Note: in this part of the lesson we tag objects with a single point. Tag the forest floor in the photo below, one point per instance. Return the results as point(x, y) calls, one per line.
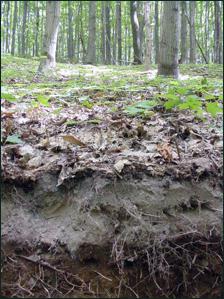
point(112, 181)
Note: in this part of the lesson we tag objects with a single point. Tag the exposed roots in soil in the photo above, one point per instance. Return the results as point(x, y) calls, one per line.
point(186, 265)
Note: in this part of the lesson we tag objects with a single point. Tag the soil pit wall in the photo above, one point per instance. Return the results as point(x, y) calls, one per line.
point(99, 236)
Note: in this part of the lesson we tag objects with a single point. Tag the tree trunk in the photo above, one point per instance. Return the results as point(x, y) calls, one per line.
point(141, 19)
point(8, 27)
point(217, 36)
point(192, 33)
point(135, 32)
point(37, 29)
point(77, 32)
point(81, 31)
point(221, 35)
point(108, 33)
point(91, 49)
point(183, 44)
point(70, 32)
point(23, 47)
point(14, 28)
point(148, 42)
point(19, 24)
point(207, 30)
point(118, 17)
point(126, 45)
point(114, 44)
point(27, 43)
point(156, 32)
point(50, 38)
point(103, 33)
point(168, 56)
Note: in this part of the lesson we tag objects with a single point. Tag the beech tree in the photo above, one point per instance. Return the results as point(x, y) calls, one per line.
point(168, 55)
point(23, 46)
point(91, 49)
point(70, 33)
point(119, 36)
point(108, 32)
point(217, 33)
point(51, 34)
point(135, 32)
point(183, 45)
point(148, 43)
point(156, 32)
point(192, 33)
point(14, 28)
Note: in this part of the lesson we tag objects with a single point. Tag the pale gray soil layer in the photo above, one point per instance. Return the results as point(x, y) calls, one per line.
point(98, 210)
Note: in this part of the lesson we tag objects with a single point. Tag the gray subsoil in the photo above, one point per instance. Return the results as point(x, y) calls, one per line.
point(115, 228)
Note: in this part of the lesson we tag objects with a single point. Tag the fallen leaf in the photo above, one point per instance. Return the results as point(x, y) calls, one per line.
point(14, 139)
point(165, 151)
point(73, 140)
point(120, 165)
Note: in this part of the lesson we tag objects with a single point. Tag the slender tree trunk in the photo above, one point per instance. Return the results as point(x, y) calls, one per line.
point(119, 39)
point(51, 34)
point(156, 32)
point(221, 35)
point(2, 28)
point(126, 45)
point(183, 44)
point(27, 40)
point(108, 33)
point(148, 42)
point(168, 58)
point(70, 32)
point(8, 27)
point(91, 49)
point(14, 28)
point(141, 18)
point(217, 36)
point(37, 29)
point(192, 33)
point(103, 33)
point(81, 31)
point(207, 30)
point(114, 56)
point(135, 32)
point(77, 32)
point(19, 34)
point(23, 47)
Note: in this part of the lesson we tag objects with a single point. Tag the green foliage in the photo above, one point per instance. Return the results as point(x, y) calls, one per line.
point(43, 100)
point(9, 97)
point(213, 108)
point(172, 102)
point(13, 139)
point(140, 107)
point(146, 104)
point(71, 123)
point(57, 111)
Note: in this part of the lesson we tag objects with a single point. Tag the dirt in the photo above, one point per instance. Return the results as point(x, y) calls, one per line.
point(97, 203)
point(115, 237)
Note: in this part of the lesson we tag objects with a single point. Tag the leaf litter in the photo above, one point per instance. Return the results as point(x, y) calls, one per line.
point(89, 123)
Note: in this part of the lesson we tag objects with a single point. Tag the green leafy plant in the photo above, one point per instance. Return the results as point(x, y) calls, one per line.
point(43, 100)
point(140, 107)
point(213, 108)
point(8, 97)
point(173, 101)
point(15, 139)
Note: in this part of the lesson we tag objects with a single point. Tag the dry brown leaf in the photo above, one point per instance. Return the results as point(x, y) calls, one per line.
point(165, 151)
point(72, 139)
point(120, 165)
